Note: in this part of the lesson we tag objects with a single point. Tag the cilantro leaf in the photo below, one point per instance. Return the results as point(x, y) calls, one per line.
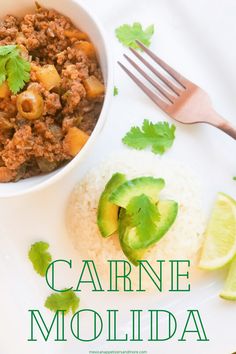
point(7, 49)
point(13, 68)
point(115, 91)
point(39, 257)
point(18, 70)
point(63, 301)
point(234, 178)
point(144, 215)
point(159, 136)
point(3, 70)
point(128, 34)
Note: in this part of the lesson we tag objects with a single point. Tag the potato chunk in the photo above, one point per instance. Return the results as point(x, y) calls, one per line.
point(94, 88)
point(48, 76)
point(74, 140)
point(6, 175)
point(4, 90)
point(75, 34)
point(87, 48)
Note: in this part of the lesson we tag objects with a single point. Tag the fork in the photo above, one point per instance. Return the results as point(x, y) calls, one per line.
point(180, 98)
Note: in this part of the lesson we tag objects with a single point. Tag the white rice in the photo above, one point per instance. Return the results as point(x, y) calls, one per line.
point(182, 241)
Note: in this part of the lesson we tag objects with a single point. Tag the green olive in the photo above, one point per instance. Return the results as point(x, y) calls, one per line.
point(30, 105)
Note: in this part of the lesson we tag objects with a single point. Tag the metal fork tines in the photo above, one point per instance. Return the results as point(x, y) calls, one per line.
point(168, 87)
point(180, 98)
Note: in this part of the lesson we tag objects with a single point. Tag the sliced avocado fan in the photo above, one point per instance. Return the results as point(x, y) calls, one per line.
point(149, 186)
point(107, 214)
point(112, 214)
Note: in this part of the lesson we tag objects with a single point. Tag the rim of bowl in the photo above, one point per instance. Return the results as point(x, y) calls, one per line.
point(99, 125)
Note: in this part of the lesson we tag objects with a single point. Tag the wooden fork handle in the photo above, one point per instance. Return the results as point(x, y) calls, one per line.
point(227, 128)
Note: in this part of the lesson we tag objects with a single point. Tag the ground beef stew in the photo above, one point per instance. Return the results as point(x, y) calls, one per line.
point(49, 120)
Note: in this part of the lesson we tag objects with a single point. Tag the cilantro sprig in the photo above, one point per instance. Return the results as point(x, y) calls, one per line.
point(143, 215)
point(63, 301)
point(159, 136)
point(128, 34)
point(13, 68)
point(40, 257)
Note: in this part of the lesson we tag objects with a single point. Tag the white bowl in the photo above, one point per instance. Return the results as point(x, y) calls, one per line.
point(87, 22)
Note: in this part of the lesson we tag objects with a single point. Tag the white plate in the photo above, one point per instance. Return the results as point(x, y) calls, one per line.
point(198, 38)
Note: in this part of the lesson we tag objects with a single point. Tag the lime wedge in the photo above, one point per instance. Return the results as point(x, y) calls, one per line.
point(229, 291)
point(220, 236)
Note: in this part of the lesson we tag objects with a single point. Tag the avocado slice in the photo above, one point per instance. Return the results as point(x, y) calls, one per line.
point(123, 229)
point(168, 212)
point(149, 186)
point(107, 214)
